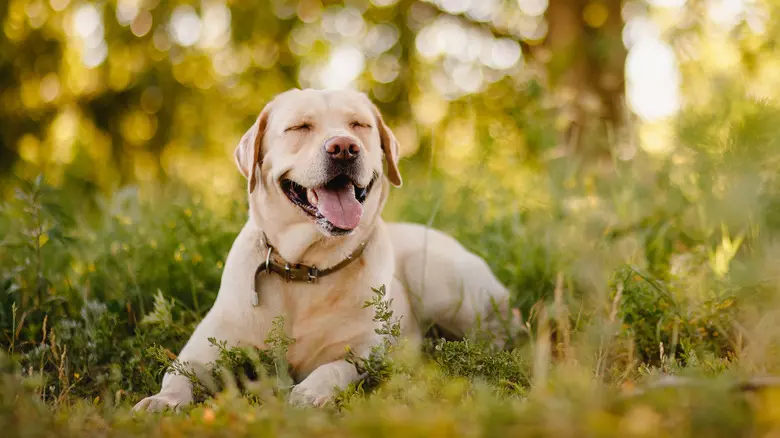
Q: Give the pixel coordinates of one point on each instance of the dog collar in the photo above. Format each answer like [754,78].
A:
[296,272]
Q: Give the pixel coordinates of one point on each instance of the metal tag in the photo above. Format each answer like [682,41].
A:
[264,267]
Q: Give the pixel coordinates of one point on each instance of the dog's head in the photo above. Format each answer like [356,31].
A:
[317,156]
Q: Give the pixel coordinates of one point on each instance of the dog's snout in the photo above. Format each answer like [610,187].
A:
[342,148]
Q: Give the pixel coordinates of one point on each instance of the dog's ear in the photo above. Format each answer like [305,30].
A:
[248,154]
[389,147]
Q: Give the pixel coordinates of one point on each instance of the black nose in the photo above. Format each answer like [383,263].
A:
[342,148]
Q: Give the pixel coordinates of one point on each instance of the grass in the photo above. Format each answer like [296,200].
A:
[649,287]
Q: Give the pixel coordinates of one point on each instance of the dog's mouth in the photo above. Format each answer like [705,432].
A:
[336,206]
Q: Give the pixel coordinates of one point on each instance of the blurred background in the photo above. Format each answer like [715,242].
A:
[101,94]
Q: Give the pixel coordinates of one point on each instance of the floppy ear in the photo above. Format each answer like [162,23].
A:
[248,155]
[390,148]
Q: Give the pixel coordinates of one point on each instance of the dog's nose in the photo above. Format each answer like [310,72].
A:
[342,148]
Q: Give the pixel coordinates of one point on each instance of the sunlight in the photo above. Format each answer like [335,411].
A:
[345,65]
[533,8]
[216,25]
[126,11]
[185,26]
[726,13]
[504,54]
[652,71]
[653,80]
[88,25]
[454,6]
[667,3]
[470,57]
[484,10]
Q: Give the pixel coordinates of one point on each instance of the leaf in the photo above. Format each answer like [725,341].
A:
[56,234]
[20,194]
[57,212]
[162,313]
[13,287]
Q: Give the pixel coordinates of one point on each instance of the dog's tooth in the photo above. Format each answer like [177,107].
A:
[311,195]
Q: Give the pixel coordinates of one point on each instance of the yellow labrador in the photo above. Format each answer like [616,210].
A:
[314,247]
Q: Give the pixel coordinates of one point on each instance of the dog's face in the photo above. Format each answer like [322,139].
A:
[317,156]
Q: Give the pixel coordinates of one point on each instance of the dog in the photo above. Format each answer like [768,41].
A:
[315,245]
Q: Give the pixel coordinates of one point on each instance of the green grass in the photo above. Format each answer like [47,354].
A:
[625,274]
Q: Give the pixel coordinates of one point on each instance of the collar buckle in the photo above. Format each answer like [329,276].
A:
[264,267]
[268,260]
[313,274]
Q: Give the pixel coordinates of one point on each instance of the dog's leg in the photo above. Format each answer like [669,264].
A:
[451,287]
[324,383]
[198,356]
[328,379]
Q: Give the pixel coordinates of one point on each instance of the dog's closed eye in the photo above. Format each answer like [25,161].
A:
[305,126]
[356,124]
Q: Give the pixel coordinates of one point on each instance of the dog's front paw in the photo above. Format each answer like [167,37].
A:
[309,393]
[163,401]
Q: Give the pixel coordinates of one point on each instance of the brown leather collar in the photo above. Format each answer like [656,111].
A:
[295,271]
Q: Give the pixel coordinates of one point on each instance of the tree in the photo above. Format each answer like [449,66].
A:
[586,68]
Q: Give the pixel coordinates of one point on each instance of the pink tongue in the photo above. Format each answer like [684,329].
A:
[339,206]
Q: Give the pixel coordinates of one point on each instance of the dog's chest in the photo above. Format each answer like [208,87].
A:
[324,320]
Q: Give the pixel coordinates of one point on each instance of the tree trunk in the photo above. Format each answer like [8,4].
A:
[586,70]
